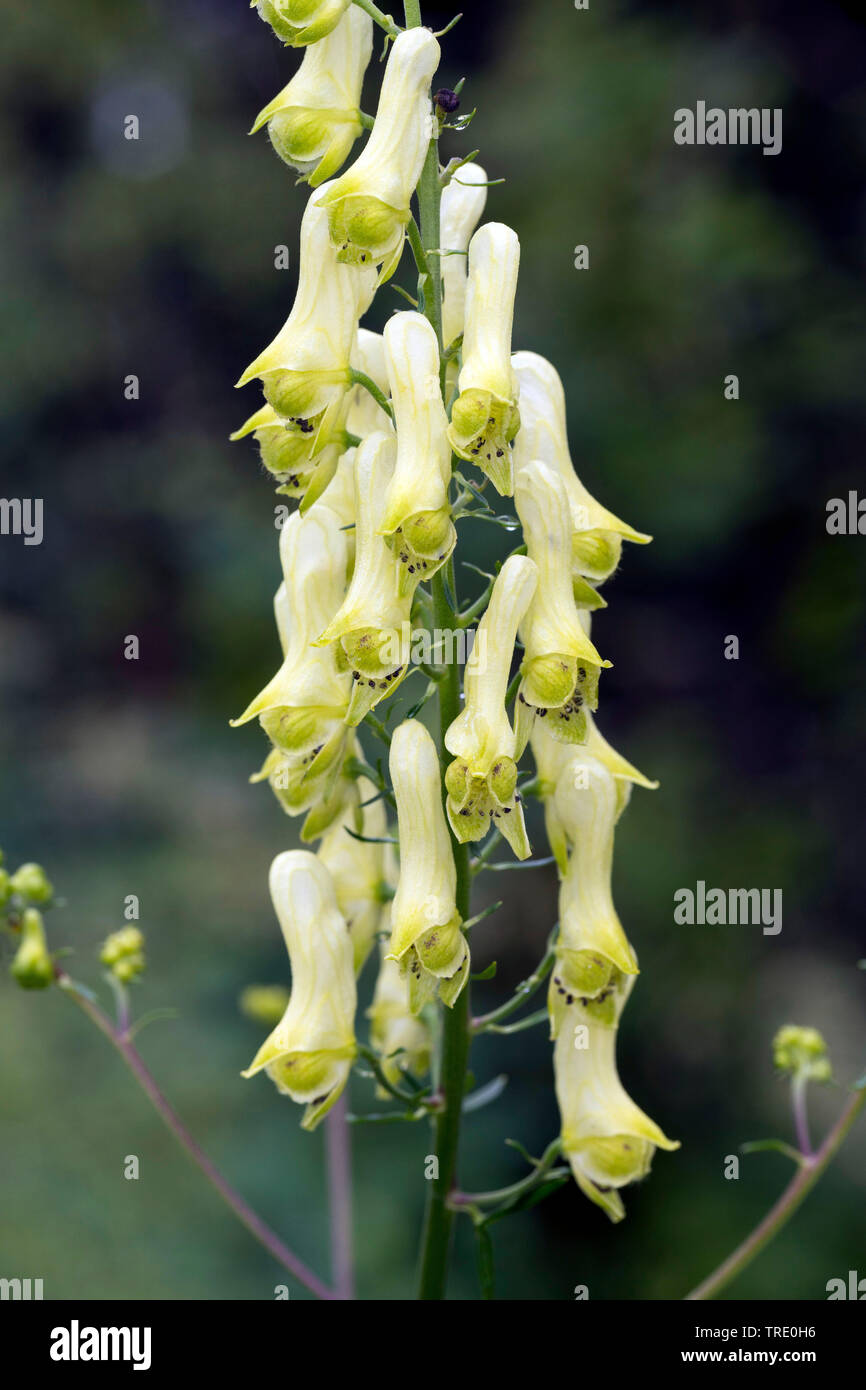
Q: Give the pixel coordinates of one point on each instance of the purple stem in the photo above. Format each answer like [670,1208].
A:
[338,1144]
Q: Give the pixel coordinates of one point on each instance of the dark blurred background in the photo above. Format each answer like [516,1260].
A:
[156,258]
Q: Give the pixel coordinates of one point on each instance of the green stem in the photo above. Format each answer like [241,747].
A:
[384,21]
[797,1190]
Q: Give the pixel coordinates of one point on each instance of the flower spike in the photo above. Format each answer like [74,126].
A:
[597,535]
[315,120]
[607,1139]
[417,520]
[299,22]
[368,205]
[309,1054]
[560,666]
[485,417]
[482,780]
[425,936]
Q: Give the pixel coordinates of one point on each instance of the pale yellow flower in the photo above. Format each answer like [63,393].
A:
[460,212]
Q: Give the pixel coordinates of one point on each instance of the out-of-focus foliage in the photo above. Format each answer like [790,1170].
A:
[155,258]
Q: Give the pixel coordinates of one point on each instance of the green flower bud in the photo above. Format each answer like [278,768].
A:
[802,1052]
[301,22]
[5,888]
[123,953]
[264,1003]
[31,882]
[32,966]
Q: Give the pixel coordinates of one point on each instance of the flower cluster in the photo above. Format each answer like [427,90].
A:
[369,433]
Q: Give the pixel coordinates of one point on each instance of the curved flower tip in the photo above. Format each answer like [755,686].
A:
[305,371]
[482,780]
[368,205]
[608,1140]
[309,1054]
[561,666]
[314,121]
[426,936]
[402,1040]
[300,22]
[597,535]
[417,516]
[460,212]
[357,867]
[485,417]
[592,948]
[372,624]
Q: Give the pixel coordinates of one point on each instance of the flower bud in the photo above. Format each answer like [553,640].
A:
[299,22]
[123,953]
[485,417]
[315,120]
[597,535]
[32,966]
[368,205]
[561,667]
[417,520]
[608,1141]
[309,1054]
[264,1003]
[481,782]
[460,212]
[802,1052]
[31,882]
[425,925]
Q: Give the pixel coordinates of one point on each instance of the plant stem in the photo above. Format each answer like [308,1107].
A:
[338,1145]
[798,1188]
[245,1214]
[384,21]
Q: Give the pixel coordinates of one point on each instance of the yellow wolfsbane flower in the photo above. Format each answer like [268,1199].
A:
[300,458]
[597,535]
[368,205]
[372,624]
[460,212]
[607,1139]
[305,371]
[560,665]
[591,947]
[299,22]
[417,520]
[302,709]
[425,925]
[357,867]
[363,416]
[482,780]
[315,120]
[485,417]
[401,1039]
[309,1054]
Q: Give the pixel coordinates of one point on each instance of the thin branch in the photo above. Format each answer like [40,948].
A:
[338,1147]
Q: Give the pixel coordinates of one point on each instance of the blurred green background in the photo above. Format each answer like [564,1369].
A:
[156,258]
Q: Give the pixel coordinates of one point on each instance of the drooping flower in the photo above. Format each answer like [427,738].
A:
[401,1038]
[561,666]
[372,625]
[300,457]
[315,120]
[460,212]
[309,1054]
[302,709]
[357,867]
[299,22]
[591,947]
[607,1139]
[482,780]
[305,371]
[417,520]
[426,936]
[597,535]
[485,417]
[368,205]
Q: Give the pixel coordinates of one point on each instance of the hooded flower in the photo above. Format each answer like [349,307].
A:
[425,925]
[301,459]
[560,665]
[302,709]
[309,1054]
[401,1039]
[485,417]
[315,120]
[357,867]
[305,371]
[299,22]
[591,947]
[608,1140]
[368,205]
[372,624]
[460,211]
[417,520]
[482,780]
[597,535]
